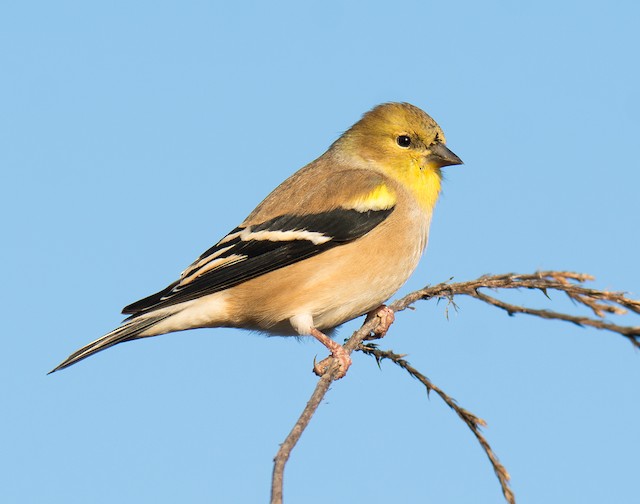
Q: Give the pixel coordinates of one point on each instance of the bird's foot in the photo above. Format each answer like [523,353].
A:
[386,316]
[338,355]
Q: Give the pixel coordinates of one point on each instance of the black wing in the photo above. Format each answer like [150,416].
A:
[249,252]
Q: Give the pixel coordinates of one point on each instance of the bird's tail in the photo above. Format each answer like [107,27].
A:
[131,329]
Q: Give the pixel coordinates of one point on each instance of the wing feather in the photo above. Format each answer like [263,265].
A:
[256,250]
[356,201]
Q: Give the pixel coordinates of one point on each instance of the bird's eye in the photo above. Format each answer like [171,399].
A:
[403,141]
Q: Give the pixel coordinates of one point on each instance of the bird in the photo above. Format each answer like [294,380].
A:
[332,242]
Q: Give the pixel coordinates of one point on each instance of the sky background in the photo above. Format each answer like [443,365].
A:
[134,135]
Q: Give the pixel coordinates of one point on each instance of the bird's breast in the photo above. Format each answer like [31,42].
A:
[338,284]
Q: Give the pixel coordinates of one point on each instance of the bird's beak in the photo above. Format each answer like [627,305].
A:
[441,156]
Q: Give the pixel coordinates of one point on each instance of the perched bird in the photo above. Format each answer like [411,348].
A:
[334,241]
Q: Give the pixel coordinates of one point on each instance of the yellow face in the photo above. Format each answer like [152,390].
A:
[406,144]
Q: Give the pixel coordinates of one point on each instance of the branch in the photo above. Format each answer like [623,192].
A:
[601,303]
[320,391]
[473,422]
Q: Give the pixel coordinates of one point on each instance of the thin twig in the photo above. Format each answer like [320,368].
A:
[631,332]
[567,282]
[280,460]
[601,303]
[473,422]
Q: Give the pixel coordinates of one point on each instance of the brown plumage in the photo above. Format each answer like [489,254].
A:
[332,242]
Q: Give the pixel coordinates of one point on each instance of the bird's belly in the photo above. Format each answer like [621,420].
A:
[331,287]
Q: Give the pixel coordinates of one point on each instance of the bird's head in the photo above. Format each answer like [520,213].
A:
[405,143]
[399,135]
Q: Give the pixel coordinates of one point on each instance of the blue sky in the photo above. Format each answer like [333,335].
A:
[136,134]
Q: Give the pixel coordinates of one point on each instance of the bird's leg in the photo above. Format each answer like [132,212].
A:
[386,316]
[338,353]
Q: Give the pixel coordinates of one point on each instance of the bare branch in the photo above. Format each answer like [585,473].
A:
[473,422]
[280,460]
[629,331]
[601,304]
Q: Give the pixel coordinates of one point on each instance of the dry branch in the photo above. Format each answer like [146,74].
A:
[473,422]
[601,304]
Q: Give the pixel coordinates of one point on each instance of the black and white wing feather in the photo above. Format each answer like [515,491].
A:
[248,252]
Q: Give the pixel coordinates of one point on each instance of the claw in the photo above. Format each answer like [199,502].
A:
[386,316]
[338,353]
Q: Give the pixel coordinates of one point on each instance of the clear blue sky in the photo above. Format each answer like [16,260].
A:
[135,134]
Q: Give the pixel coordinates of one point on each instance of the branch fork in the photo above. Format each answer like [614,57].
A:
[601,304]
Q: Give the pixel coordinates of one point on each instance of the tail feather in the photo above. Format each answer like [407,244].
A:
[128,331]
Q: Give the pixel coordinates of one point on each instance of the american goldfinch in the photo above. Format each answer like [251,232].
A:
[334,241]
